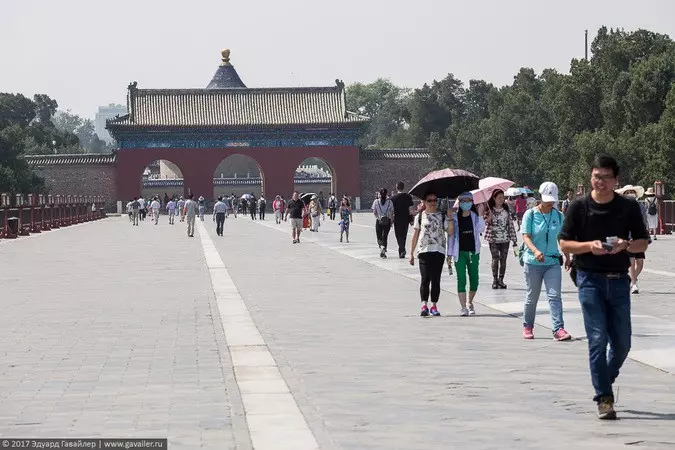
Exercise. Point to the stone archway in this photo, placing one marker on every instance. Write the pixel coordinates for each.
(317, 176)
(277, 165)
(238, 174)
(162, 178)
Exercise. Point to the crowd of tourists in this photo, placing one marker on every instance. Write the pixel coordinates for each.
(600, 238)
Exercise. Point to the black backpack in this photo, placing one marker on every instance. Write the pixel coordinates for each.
(651, 209)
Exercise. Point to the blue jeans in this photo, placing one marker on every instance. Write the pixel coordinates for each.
(551, 276)
(605, 304)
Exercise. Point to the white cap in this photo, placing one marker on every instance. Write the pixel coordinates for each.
(548, 192)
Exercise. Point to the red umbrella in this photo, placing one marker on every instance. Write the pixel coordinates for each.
(445, 183)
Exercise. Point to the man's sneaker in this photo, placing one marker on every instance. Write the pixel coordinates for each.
(606, 409)
(464, 312)
(472, 311)
(425, 311)
(528, 332)
(434, 311)
(561, 335)
(634, 289)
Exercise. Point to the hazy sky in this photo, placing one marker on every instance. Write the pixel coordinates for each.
(84, 53)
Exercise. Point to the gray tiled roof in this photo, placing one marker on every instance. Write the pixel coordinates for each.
(395, 153)
(86, 158)
(236, 108)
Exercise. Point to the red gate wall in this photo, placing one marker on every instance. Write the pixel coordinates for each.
(198, 166)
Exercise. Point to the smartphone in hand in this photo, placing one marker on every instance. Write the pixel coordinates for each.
(608, 247)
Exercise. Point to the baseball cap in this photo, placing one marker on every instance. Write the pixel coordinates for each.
(548, 192)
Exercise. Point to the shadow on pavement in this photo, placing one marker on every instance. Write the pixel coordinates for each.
(647, 415)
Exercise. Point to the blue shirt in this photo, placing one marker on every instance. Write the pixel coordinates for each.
(538, 226)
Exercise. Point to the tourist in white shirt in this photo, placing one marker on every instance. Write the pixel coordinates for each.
(171, 208)
(142, 211)
(155, 205)
(130, 210)
(429, 240)
(190, 210)
(181, 209)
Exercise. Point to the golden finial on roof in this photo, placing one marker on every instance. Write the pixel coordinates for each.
(226, 57)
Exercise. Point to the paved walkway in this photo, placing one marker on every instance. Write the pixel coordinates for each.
(248, 340)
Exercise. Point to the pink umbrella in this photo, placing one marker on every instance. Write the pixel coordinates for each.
(487, 186)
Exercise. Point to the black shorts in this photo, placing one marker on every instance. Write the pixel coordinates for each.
(640, 255)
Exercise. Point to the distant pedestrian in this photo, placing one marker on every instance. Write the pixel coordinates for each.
(521, 207)
(154, 206)
(383, 209)
(202, 207)
(171, 210)
(332, 206)
(429, 245)
(277, 207)
(252, 206)
(567, 201)
(345, 218)
(637, 260)
(142, 209)
(130, 211)
(542, 260)
(464, 248)
(499, 232)
(296, 209)
(244, 205)
(597, 229)
(652, 206)
(403, 216)
(135, 211)
(235, 205)
(219, 212)
(181, 209)
(315, 212)
(190, 212)
(262, 206)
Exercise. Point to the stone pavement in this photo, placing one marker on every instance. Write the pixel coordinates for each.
(119, 331)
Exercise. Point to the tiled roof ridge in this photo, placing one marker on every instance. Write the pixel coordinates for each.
(238, 91)
(72, 158)
(395, 153)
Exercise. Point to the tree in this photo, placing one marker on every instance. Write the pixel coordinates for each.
(384, 103)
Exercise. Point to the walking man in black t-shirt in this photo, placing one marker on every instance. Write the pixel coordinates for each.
(403, 204)
(296, 209)
(596, 229)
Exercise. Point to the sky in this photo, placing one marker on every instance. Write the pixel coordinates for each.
(84, 53)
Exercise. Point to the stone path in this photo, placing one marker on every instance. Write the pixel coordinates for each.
(118, 331)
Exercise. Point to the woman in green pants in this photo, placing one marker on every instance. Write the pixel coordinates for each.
(464, 247)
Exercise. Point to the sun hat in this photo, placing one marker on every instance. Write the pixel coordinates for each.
(548, 192)
(650, 192)
(639, 190)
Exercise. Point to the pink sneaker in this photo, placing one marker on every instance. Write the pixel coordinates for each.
(528, 333)
(561, 335)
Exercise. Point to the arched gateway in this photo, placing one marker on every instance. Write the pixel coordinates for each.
(198, 128)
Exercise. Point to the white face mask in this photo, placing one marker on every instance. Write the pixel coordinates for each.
(631, 195)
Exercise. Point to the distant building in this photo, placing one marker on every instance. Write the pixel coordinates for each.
(104, 113)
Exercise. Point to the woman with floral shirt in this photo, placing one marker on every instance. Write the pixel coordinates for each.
(429, 239)
(498, 233)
